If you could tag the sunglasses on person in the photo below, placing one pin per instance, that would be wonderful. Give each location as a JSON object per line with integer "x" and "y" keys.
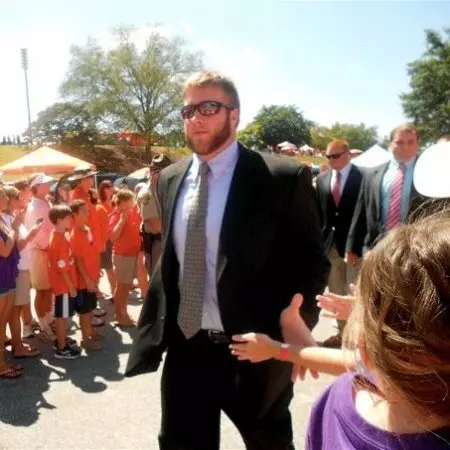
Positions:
{"x": 206, "y": 108}
{"x": 335, "y": 156}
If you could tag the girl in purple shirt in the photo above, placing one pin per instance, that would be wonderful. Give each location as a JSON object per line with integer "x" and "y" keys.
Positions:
{"x": 399, "y": 327}
{"x": 9, "y": 260}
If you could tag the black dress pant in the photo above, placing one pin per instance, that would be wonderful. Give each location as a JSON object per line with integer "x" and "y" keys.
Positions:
{"x": 201, "y": 378}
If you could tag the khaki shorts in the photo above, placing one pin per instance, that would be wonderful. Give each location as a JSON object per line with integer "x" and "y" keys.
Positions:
{"x": 125, "y": 268}
{"x": 22, "y": 296}
{"x": 39, "y": 270}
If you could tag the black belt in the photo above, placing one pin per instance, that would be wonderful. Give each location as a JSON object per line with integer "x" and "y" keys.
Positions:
{"x": 156, "y": 237}
{"x": 216, "y": 336}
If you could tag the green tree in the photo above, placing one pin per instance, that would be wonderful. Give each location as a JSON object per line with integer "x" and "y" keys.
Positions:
{"x": 358, "y": 136}
{"x": 428, "y": 102}
{"x": 63, "y": 122}
{"x": 252, "y": 137}
{"x": 275, "y": 124}
{"x": 139, "y": 90}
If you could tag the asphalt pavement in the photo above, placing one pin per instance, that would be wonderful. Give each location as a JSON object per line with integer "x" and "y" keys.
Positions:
{"x": 88, "y": 404}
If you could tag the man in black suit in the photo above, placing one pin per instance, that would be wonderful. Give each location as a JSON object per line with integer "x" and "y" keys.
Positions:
{"x": 387, "y": 196}
{"x": 337, "y": 193}
{"x": 241, "y": 236}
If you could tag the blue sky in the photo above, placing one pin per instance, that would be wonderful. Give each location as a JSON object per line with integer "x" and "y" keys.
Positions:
{"x": 337, "y": 61}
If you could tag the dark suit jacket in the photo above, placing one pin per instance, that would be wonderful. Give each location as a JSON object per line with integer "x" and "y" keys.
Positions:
{"x": 270, "y": 248}
{"x": 339, "y": 218}
{"x": 367, "y": 226}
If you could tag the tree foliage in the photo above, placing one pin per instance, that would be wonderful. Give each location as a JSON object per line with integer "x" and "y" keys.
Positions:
{"x": 358, "y": 136}
{"x": 64, "y": 121}
{"x": 428, "y": 102}
{"x": 251, "y": 136}
{"x": 130, "y": 88}
{"x": 275, "y": 124}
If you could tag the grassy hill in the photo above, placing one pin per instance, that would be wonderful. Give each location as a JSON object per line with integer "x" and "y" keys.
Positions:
{"x": 9, "y": 153}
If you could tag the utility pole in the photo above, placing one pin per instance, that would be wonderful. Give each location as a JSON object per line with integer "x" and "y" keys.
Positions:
{"x": 24, "y": 57}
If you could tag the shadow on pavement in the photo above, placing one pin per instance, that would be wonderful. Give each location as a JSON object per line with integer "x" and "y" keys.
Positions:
{"x": 22, "y": 399}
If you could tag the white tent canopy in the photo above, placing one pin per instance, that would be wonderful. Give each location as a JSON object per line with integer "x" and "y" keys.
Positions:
{"x": 372, "y": 157}
{"x": 306, "y": 148}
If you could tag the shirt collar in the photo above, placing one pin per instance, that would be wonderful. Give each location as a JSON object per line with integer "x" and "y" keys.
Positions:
{"x": 222, "y": 163}
{"x": 344, "y": 171}
{"x": 407, "y": 165}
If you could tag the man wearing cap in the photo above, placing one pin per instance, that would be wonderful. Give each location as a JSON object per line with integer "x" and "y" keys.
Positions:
{"x": 150, "y": 212}
{"x": 37, "y": 212}
{"x": 83, "y": 180}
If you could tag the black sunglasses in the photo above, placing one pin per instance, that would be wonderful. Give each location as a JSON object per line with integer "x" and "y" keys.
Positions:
{"x": 206, "y": 108}
{"x": 335, "y": 156}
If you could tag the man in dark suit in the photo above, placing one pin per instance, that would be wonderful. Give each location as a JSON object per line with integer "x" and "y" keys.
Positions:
{"x": 337, "y": 193}
{"x": 241, "y": 236}
{"x": 387, "y": 196}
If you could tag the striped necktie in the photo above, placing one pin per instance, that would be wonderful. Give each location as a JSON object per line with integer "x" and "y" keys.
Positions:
{"x": 395, "y": 204}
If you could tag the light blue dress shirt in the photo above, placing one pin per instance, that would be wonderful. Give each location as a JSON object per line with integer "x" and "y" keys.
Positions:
{"x": 388, "y": 180}
{"x": 219, "y": 180}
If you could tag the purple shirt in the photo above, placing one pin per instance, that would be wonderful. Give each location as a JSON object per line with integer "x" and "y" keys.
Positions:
{"x": 335, "y": 424}
{"x": 9, "y": 266}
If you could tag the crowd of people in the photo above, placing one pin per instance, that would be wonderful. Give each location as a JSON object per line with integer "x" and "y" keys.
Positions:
{"x": 57, "y": 236}
{"x": 241, "y": 247}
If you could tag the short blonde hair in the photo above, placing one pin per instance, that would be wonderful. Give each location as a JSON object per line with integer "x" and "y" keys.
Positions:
{"x": 123, "y": 195}
{"x": 216, "y": 79}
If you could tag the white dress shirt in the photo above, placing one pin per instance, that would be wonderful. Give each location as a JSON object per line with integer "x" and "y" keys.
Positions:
{"x": 219, "y": 180}
{"x": 345, "y": 172}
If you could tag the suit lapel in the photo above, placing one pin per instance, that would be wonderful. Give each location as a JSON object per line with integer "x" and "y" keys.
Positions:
{"x": 170, "y": 193}
{"x": 240, "y": 194}
{"x": 378, "y": 186}
{"x": 349, "y": 184}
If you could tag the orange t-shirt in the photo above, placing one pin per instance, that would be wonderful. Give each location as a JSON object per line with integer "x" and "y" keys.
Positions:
{"x": 82, "y": 243}
{"x": 60, "y": 259}
{"x": 108, "y": 207}
{"x": 129, "y": 241}
{"x": 93, "y": 220}
{"x": 103, "y": 217}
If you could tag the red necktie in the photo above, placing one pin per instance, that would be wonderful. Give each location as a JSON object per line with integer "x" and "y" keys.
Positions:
{"x": 336, "y": 192}
{"x": 395, "y": 204}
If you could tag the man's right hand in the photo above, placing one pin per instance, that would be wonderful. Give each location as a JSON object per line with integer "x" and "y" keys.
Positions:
{"x": 351, "y": 259}
{"x": 73, "y": 292}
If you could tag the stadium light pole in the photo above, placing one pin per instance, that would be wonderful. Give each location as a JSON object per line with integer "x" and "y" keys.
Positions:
{"x": 24, "y": 57}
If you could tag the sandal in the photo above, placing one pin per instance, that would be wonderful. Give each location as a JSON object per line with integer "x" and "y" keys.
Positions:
{"x": 97, "y": 336}
{"x": 99, "y": 312}
{"x": 10, "y": 374}
{"x": 46, "y": 337}
{"x": 96, "y": 322}
{"x": 30, "y": 352}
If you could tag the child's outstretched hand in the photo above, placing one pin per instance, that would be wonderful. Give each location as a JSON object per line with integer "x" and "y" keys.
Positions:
{"x": 254, "y": 347}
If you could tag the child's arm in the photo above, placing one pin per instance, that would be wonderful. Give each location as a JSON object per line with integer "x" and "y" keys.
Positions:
{"x": 117, "y": 229}
{"x": 259, "y": 347}
{"x": 68, "y": 281}
{"x": 22, "y": 243}
{"x": 91, "y": 286}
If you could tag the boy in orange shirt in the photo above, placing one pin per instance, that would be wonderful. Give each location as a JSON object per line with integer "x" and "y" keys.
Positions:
{"x": 124, "y": 226}
{"x": 88, "y": 269}
{"x": 63, "y": 279}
